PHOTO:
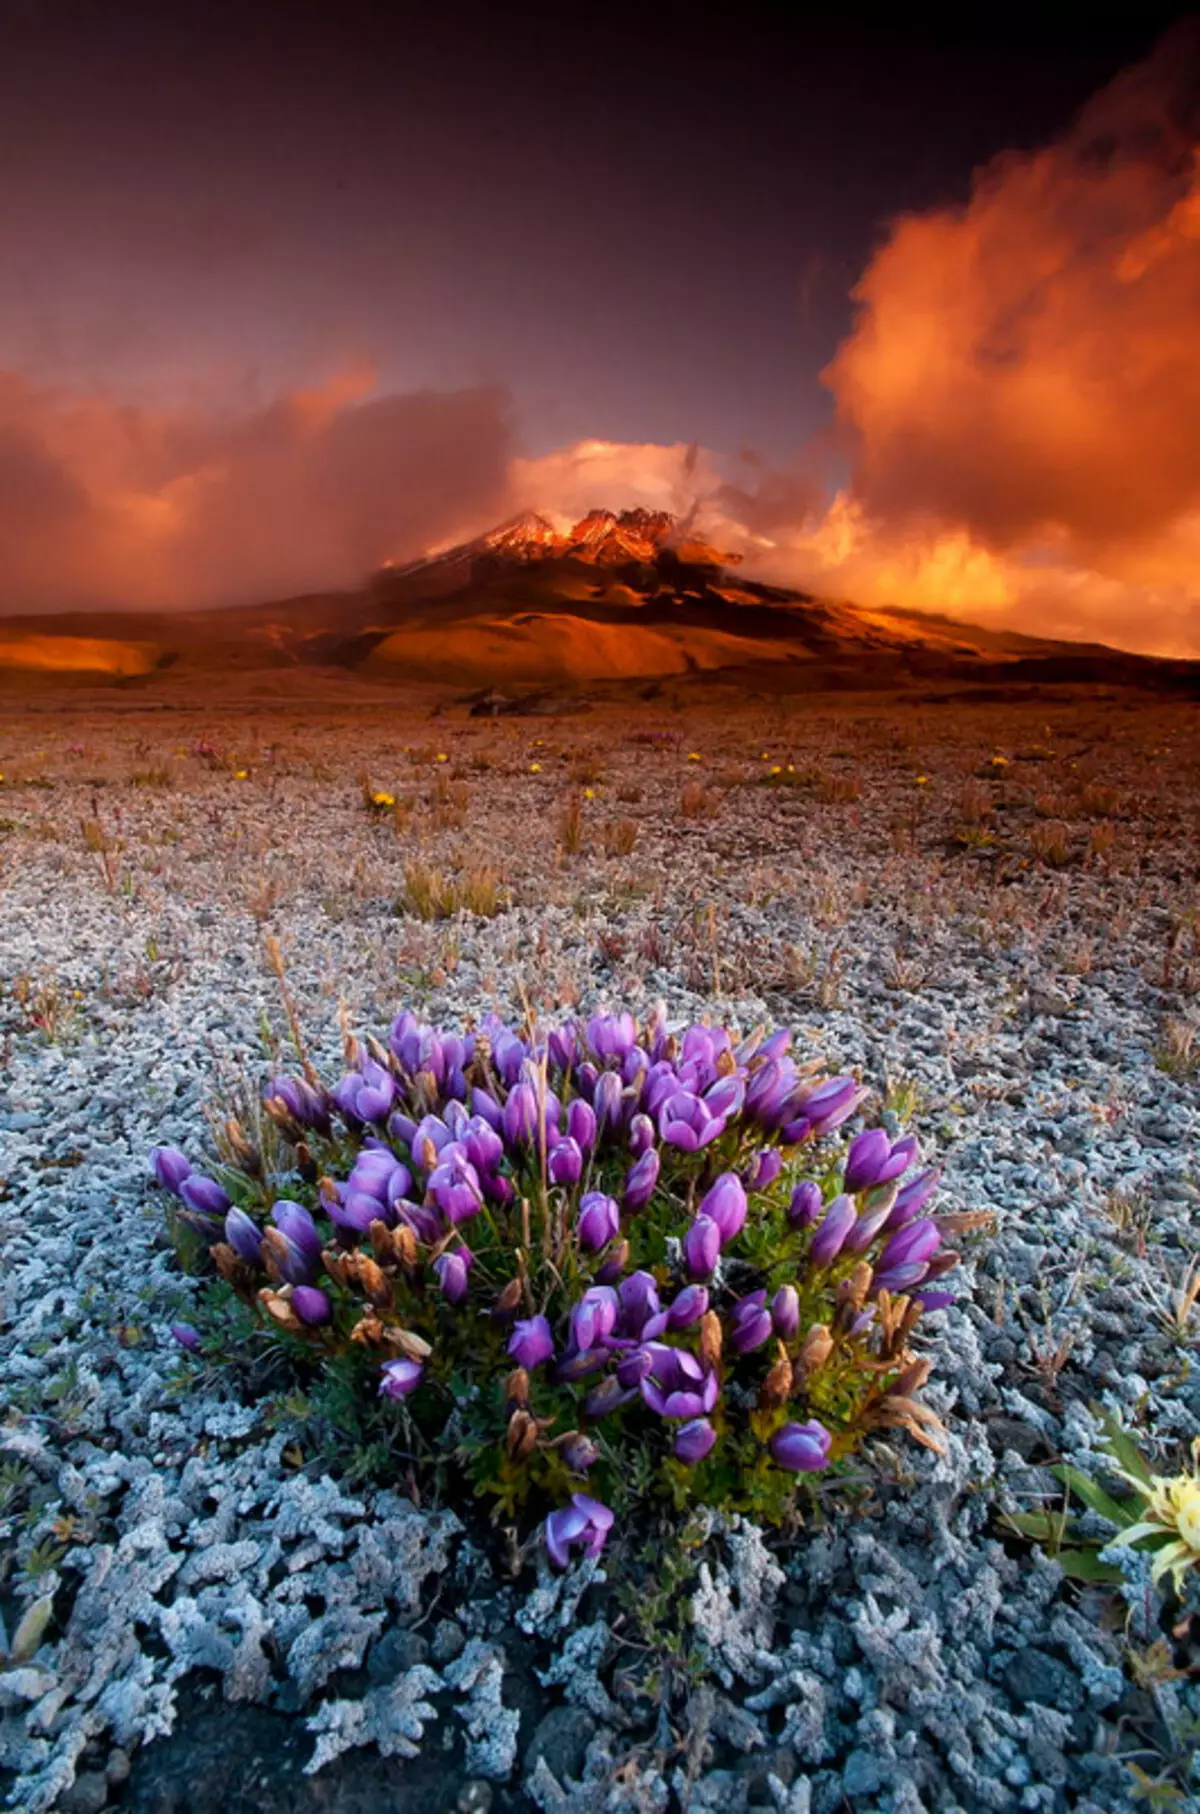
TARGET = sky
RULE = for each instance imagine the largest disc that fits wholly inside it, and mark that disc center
(912, 312)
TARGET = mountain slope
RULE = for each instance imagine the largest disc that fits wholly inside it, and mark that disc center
(617, 597)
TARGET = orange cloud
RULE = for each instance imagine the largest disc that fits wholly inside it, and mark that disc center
(1022, 384)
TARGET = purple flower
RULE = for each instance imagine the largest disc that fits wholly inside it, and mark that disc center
(565, 1162)
(400, 1377)
(638, 1296)
(912, 1198)
(801, 1448)
(677, 1386)
(521, 1118)
(607, 1397)
(873, 1160)
(869, 1224)
(633, 1368)
(581, 1124)
(768, 1163)
(204, 1195)
(482, 1144)
(702, 1248)
(594, 1318)
(244, 1236)
(171, 1167)
(584, 1522)
(452, 1275)
(562, 1045)
(641, 1180)
(689, 1306)
(934, 1300)
(785, 1312)
(687, 1122)
(579, 1452)
(827, 1243)
(485, 1106)
(768, 1091)
(832, 1103)
(355, 1212)
(365, 1095)
(531, 1342)
(725, 1097)
(599, 1221)
(297, 1226)
(694, 1440)
(915, 1243)
(750, 1323)
(187, 1336)
(454, 1186)
(725, 1204)
(806, 1204)
(611, 1035)
(311, 1304)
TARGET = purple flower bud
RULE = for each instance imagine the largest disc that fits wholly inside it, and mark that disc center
(585, 1522)
(171, 1167)
(607, 1397)
(484, 1104)
(801, 1448)
(873, 1160)
(564, 1162)
(934, 1300)
(482, 1144)
(765, 1168)
(204, 1195)
(400, 1377)
(562, 1045)
(187, 1335)
(702, 1248)
(694, 1440)
(295, 1222)
(912, 1198)
(599, 1221)
(607, 1102)
(244, 1236)
(641, 1180)
(895, 1279)
(638, 1297)
(833, 1103)
(686, 1122)
(869, 1224)
(581, 1124)
(633, 1368)
(725, 1097)
(521, 1116)
(806, 1204)
(641, 1135)
(827, 1243)
(452, 1276)
(531, 1342)
(689, 1306)
(750, 1323)
(725, 1204)
(785, 1312)
(355, 1212)
(454, 1186)
(311, 1305)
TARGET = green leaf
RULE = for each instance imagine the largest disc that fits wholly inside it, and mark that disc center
(1124, 1450)
(1094, 1497)
(1085, 1565)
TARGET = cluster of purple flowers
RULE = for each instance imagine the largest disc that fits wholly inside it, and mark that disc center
(621, 1145)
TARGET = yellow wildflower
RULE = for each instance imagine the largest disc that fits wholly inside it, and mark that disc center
(535, 768)
(383, 799)
(589, 793)
(1172, 1509)
(441, 757)
(241, 774)
(922, 780)
(693, 755)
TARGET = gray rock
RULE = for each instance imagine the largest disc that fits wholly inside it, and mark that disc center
(87, 1794)
(562, 1738)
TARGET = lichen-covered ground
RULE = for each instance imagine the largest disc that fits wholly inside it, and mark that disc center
(988, 908)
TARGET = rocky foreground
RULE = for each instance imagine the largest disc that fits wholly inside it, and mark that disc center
(990, 910)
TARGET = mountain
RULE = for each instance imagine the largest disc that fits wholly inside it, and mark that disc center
(621, 596)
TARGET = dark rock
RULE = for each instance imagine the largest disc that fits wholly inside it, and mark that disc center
(448, 1642)
(87, 1794)
(1033, 1675)
(1010, 1433)
(396, 1651)
(861, 1774)
(562, 1738)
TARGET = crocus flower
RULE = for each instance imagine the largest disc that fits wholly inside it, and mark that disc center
(581, 1124)
(482, 1144)
(584, 1523)
(801, 1448)
(832, 1103)
(689, 1306)
(638, 1297)
(454, 1186)
(915, 1242)
(702, 1248)
(641, 1135)
(187, 1336)
(934, 1300)
(725, 1204)
(750, 1323)
(520, 1117)
(686, 1121)
(838, 1220)
(244, 1236)
(204, 1195)
(607, 1101)
(806, 1204)
(599, 1221)
(611, 1035)
(694, 1440)
(562, 1045)
(311, 1305)
(912, 1197)
(725, 1097)
(531, 1342)
(641, 1180)
(564, 1163)
(452, 1276)
(400, 1377)
(785, 1312)
(607, 1397)
(678, 1386)
(593, 1318)
(366, 1095)
(484, 1104)
(355, 1211)
(633, 1368)
(171, 1167)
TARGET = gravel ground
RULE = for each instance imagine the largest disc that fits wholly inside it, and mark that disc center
(988, 907)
